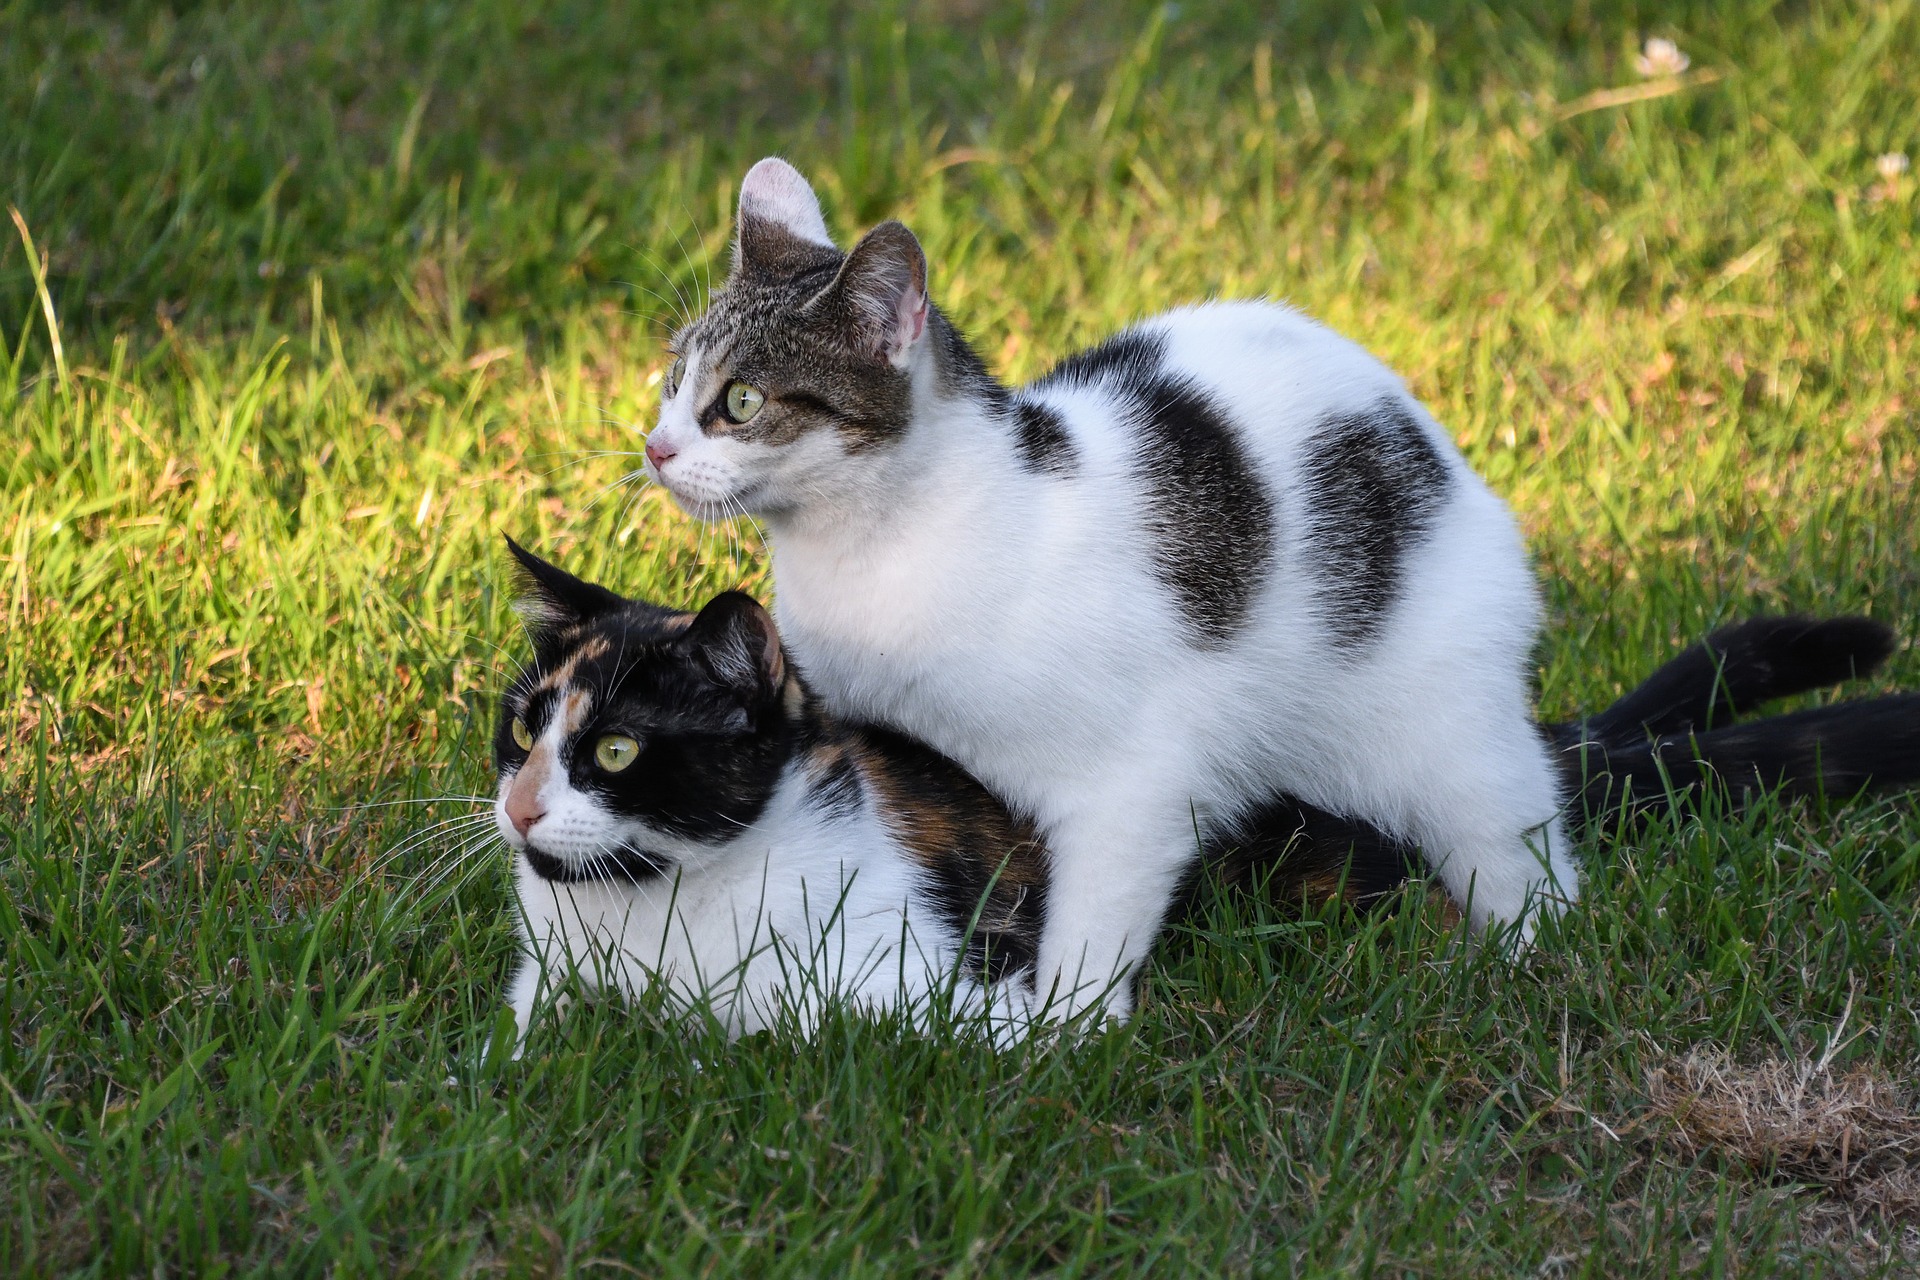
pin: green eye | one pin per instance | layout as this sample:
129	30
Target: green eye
615	752
675	371
743	401
522	736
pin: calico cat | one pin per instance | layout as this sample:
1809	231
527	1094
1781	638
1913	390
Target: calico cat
1222	554
682	808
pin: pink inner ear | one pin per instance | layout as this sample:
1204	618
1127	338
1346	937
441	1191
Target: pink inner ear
912	319
905	326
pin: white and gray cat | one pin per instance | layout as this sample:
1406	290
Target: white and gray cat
1224	553
683	810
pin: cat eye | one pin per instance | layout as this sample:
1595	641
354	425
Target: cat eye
615	752
743	401
675	371
522	736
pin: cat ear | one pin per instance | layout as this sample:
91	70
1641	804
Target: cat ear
780	232
737	640
880	295
554	598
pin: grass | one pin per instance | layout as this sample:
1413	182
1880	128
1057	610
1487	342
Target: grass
345	291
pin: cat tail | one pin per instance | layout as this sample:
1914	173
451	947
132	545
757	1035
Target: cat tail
1733	672
1835	751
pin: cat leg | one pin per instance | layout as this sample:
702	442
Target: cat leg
1114	870
523	996
1491	830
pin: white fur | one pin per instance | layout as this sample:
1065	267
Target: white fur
1014	622
797	911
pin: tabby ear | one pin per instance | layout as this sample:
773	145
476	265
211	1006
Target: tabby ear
880	295
737	640
780	231
554	599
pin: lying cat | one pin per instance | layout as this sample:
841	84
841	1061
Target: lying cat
683	809
1222	553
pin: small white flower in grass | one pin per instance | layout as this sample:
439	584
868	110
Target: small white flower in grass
1661	57
1891	165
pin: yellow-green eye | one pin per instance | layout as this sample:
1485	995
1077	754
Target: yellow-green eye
743	401
522	736
675	372
615	752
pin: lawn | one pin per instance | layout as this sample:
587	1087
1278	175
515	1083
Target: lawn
325	298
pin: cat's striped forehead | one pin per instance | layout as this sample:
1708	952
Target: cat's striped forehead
589	662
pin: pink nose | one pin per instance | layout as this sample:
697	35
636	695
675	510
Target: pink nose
658	451
523	812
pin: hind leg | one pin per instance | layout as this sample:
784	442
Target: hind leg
1492	832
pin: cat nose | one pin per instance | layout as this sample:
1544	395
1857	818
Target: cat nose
523	811
658	451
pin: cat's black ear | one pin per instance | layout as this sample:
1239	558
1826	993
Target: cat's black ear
781	233
555	599
737	640
879	299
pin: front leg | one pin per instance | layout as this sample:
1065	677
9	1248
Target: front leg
1115	867
523	995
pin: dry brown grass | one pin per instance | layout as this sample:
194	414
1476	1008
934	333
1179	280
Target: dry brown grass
1852	1133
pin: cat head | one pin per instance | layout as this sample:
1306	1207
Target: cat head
641	740
805	370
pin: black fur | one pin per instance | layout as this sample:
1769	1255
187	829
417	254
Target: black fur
1040	433
1210	516
1835	752
835	788
1741	666
1128	359
1374	483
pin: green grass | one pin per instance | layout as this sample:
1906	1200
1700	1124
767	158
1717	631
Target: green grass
346	291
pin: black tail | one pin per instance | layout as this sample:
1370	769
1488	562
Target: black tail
1656	744
1735	670
1834	751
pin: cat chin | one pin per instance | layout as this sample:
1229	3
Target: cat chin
622	864
748	500
708	511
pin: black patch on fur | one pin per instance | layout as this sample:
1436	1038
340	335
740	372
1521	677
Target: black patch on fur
1209	514
1040	433
1127	359
1373	484
835	788
1298	855
1211	520
962	373
985	866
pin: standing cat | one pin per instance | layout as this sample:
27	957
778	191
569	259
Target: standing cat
1221	554
682	809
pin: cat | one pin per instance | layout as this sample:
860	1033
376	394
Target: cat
682	808
1221	554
